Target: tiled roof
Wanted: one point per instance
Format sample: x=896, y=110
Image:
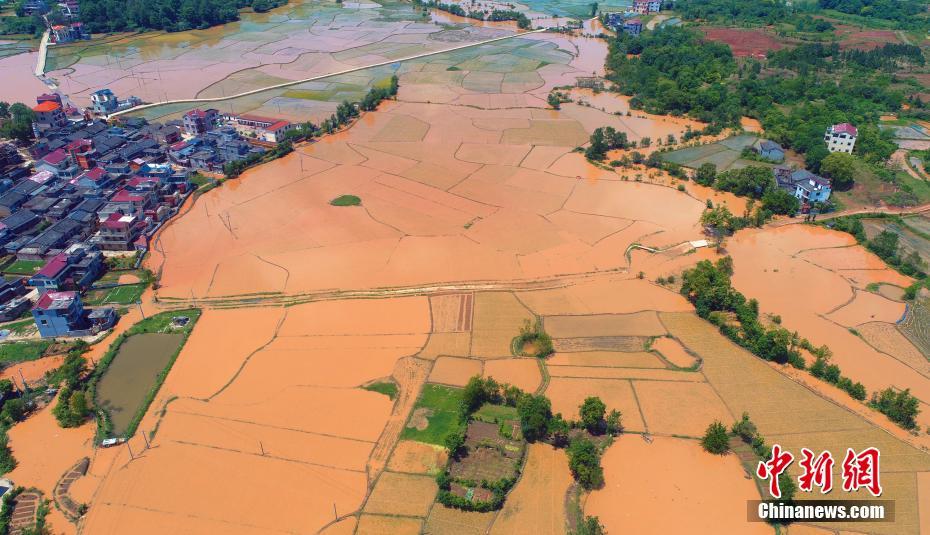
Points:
x=54, y=266
x=46, y=106
x=56, y=300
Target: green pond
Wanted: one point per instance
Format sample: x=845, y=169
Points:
x=131, y=375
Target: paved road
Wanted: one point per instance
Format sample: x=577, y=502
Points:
x=43, y=52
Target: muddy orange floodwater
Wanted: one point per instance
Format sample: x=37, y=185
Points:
x=665, y=487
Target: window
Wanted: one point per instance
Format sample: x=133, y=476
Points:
x=44, y=322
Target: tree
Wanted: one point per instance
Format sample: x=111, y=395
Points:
x=884, y=244
x=715, y=439
x=554, y=101
x=535, y=413
x=900, y=407
x=719, y=222
x=592, y=415
x=839, y=167
x=585, y=463
x=706, y=174
x=779, y=201
x=14, y=410
x=597, y=149
x=614, y=422
x=455, y=442
x=19, y=126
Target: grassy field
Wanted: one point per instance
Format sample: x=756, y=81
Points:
x=23, y=267
x=119, y=295
x=346, y=200
x=22, y=351
x=495, y=413
x=20, y=327
x=439, y=406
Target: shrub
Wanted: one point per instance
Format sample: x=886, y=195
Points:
x=592, y=413
x=900, y=407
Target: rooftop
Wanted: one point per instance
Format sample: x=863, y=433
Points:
x=56, y=300
x=46, y=107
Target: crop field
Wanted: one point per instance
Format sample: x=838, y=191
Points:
x=369, y=524
x=637, y=324
x=498, y=319
x=536, y=503
x=916, y=325
x=444, y=520
x=684, y=409
x=454, y=371
x=401, y=494
x=726, y=154
x=601, y=343
x=520, y=372
x=607, y=359
x=889, y=339
x=674, y=352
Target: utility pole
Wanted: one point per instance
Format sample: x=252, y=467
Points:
x=139, y=304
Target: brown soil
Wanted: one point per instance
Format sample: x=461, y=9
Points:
x=674, y=352
x=663, y=488
x=746, y=42
x=417, y=457
x=447, y=521
x=387, y=525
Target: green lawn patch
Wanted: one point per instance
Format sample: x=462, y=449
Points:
x=22, y=351
x=119, y=295
x=435, y=415
x=388, y=389
x=346, y=200
x=24, y=267
x=495, y=413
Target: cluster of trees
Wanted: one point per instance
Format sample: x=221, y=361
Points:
x=14, y=410
x=533, y=333
x=899, y=406
x=822, y=369
x=22, y=25
x=728, y=11
x=754, y=181
x=496, y=15
x=888, y=57
x=605, y=139
x=234, y=169
x=904, y=12
x=673, y=70
x=16, y=121
x=73, y=407
x=169, y=15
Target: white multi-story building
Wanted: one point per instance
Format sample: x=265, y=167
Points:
x=841, y=138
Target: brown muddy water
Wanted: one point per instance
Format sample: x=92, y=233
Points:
x=133, y=373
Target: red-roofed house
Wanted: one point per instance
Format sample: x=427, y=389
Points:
x=132, y=202
x=77, y=267
x=54, y=162
x=81, y=152
x=48, y=115
x=841, y=138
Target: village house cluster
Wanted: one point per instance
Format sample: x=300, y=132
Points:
x=629, y=21
x=86, y=187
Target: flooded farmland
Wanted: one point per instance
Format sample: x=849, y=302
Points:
x=133, y=373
